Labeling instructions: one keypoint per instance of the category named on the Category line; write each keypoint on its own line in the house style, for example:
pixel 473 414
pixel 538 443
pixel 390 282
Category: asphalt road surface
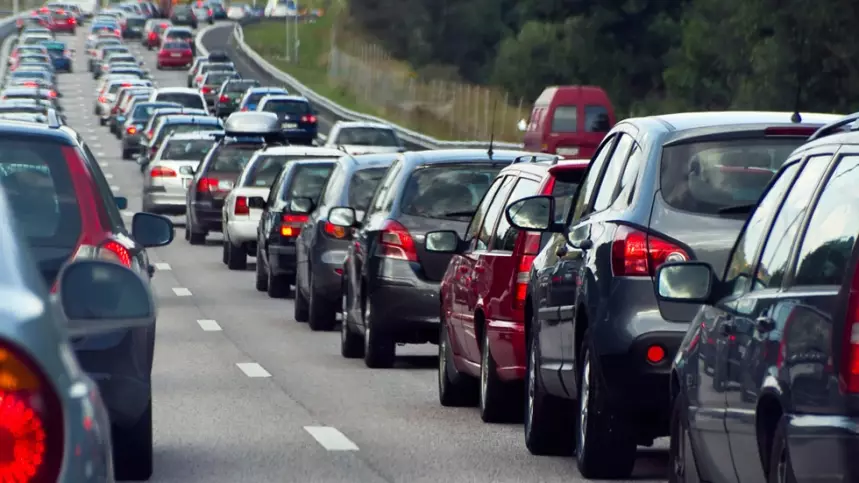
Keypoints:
pixel 243 393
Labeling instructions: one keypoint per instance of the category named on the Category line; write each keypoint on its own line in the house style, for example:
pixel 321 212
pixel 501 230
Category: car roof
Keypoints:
pixel 250 123
pixel 261 89
pixel 366 124
pixel 190 118
pixel 697 120
pixel 371 159
pixel 460 155
pixel 302 150
pixel 13 128
pixel 284 97
pixel 177 90
pixel 185 136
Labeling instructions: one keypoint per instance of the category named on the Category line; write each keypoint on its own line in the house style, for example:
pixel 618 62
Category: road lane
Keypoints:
pixel 219 421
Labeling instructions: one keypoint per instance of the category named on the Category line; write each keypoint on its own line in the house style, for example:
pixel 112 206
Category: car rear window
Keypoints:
pixel 181 128
pixel 135 22
pixel 367 136
pixel 239 86
pixel 114 88
pixel 308 181
pixel 218 78
pixel 177 45
pixel 187 149
pixel 266 168
pixel 255 98
pixel 362 186
pixel 185 99
pixel 596 119
pixel 708 177
pixel 232 158
pixel 287 107
pixel 448 192
pixel 216 66
pixel 181 34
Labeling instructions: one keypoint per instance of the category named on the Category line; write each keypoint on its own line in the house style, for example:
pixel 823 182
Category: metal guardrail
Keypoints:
pixel 339 112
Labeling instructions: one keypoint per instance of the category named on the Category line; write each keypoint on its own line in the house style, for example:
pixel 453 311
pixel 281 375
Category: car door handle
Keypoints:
pixel 765 324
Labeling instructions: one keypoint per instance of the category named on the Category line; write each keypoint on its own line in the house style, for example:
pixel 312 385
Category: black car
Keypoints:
pixel 780 404
pixel 177 123
pixel 230 95
pixel 245 133
pixel 132 129
pixel 65 208
pixel 320 248
pixel 184 15
pixel 391 281
pixel 659 189
pixel 297 118
pixel 134 27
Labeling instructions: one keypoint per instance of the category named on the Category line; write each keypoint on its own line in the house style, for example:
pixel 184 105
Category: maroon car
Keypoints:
pixel 175 54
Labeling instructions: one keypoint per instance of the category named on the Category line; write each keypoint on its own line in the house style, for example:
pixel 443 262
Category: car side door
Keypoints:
pixel 269 214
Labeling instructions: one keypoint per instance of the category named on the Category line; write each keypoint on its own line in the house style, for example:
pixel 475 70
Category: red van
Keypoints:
pixel 569 121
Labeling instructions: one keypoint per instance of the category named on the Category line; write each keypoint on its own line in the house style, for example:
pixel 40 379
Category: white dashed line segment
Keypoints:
pixel 331 438
pixel 252 369
pixel 162 266
pixel 209 325
pixel 108 176
pixel 181 292
pixel 114 188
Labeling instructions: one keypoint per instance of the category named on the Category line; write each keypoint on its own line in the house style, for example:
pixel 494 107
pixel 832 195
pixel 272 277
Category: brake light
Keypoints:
pixel 242 207
pixel 116 31
pixel 223 98
pixel 162 172
pixel 187 52
pixel 638 254
pixel 164 25
pixel 333 230
pixel 131 130
pixel 290 225
pixel 30 84
pixel 206 89
pixel 72 20
pixel 848 380
pixel 198 78
pixel 152 36
pixel 212 185
pixel 30 420
pixel 210 12
pixel 116 252
pixel 530 243
pixel 311 119
pixel 245 109
pixel 102 99
pixel 52 94
pixel 396 242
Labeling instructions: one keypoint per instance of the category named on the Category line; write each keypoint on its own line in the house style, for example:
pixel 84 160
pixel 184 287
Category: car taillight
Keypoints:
pixel 114 109
pixel 71 20
pixel 162 172
pixel 116 31
pixel 153 150
pixel 244 109
pixel 210 12
pixel 213 185
pixel 187 53
pixel 149 134
pixel 396 242
pixel 30 420
pixel 848 380
pixel 152 36
pixel 333 230
pixel 131 130
pixel 102 99
pixel 635 253
pixel 206 89
pixel 290 225
pixel 198 78
pixel 310 119
pixel 223 99
pixel 530 249
pixel 52 94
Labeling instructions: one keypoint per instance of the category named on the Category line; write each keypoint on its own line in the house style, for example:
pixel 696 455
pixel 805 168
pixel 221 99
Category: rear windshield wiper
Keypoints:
pixel 737 209
pixel 453 214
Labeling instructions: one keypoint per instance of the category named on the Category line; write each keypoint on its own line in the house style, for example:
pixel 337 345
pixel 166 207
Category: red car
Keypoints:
pixel 175 54
pixel 484 289
pixel 64 21
pixel 153 36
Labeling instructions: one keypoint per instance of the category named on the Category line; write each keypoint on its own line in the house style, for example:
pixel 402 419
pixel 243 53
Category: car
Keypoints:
pixel 202 13
pixel 361 137
pixel 184 15
pixel 178 123
pixel 34 38
pixel 171 170
pixel 252 97
pixel 98 43
pixel 206 67
pixel 237 12
pixel 124 101
pixel 112 57
pixel 297 118
pixel 182 34
pixel 107 96
pixel 149 129
pixel 153 30
pixel 392 295
pixel 245 133
pixel 134 27
pixel 61 57
pixel 63 21
pixel 41 69
pixel 133 127
pixel 29 82
pixel 34 20
pixel 245 204
pixel 103 53
pixel 211 84
pixel 26 49
pixel 174 54
pixel 64 206
pixel 771 351
pixel 231 93
pixel 218 11
pixel 50 115
pixel 659 189
pixel 41 76
pixel 198 60
pixel 31 93
pixel 218 56
pixel 482 333
pixel 130 69
pixel 190 98
pixel 320 247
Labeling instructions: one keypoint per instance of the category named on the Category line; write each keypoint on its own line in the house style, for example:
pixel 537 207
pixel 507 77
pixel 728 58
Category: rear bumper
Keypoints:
pixel 507 346
pixel 131 142
pixel 64 65
pixel 206 218
pixel 242 231
pixel 281 260
pixel 173 61
pixel 823 448
pixel 301 137
pixel 403 305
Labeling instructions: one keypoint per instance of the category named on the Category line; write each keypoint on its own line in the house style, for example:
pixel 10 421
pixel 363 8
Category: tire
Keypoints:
pixel 454 389
pixel 380 351
pixel 321 316
pixel 194 238
pixel 237 257
pixel 781 464
pixel 351 344
pixel 277 286
pixel 549 424
pixel 158 66
pixel 225 252
pixel 126 154
pixel 261 281
pixel 682 467
pixel 132 449
pixel 102 121
pixel 606 448
pixel 500 401
pixel 301 309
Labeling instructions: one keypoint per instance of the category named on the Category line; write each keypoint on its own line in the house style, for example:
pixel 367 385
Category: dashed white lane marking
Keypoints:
pixel 108 176
pixel 181 292
pixel 331 438
pixel 96 145
pixel 252 369
pixel 114 187
pixel 209 325
pixel 102 164
pixel 100 154
pixel 128 214
pixel 162 266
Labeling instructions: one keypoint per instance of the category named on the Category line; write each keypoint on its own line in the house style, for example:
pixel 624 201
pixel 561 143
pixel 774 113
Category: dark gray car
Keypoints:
pixel 321 247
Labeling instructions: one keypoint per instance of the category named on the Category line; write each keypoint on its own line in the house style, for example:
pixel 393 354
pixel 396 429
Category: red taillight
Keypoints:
pixel 290 225
pixel 102 99
pixel 210 12
pixel 164 25
pixel 849 377
pixel 131 130
pixel 209 185
pixel 638 254
pixel 149 134
pixel 206 90
pixel 117 32
pixel 311 119
pixel 162 172
pixel 396 242
pixel 114 109
pixel 242 207
pixel 187 53
pixel 530 248
pixel 198 78
pixel 333 230
pixel 116 252
pixel 223 99
pixel 245 109
pixel 152 36
pixel 52 94
pixel 71 20
pixel 30 84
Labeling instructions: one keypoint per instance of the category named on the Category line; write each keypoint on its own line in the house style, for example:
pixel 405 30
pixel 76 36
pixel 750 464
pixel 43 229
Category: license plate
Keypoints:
pixel 290 125
pixel 175 55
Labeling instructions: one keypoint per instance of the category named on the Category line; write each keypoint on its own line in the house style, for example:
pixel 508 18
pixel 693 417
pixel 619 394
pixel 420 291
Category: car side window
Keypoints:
pixel 103 187
pixel 496 208
pixel 626 188
pixel 824 253
pixel 334 186
pixel 505 235
pixel 594 170
pixel 741 264
pixel 607 187
pixel 776 253
pixel 385 186
pixel 276 188
pixel 480 213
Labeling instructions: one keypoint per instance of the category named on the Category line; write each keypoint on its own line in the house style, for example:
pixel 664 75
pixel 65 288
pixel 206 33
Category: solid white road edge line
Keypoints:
pixel 209 325
pixel 252 369
pixel 181 292
pixel 162 266
pixel 331 438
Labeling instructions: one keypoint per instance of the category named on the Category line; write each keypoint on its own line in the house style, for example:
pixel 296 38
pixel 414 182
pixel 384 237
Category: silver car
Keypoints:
pixel 53 412
pixel 167 177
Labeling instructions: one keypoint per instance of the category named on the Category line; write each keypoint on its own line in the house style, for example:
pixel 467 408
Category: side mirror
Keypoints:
pixel 301 205
pixel 151 230
pixel 690 282
pixel 187 170
pixel 100 296
pixel 343 216
pixel 534 213
pixel 444 241
pixel 121 202
pixel 257 202
pixel 522 126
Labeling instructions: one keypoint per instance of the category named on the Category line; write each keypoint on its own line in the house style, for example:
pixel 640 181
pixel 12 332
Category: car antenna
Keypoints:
pixel 796 118
pixel 491 151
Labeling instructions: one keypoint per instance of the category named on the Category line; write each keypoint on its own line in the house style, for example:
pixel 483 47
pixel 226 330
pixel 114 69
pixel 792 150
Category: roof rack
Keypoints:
pixel 834 127
pixel 538 158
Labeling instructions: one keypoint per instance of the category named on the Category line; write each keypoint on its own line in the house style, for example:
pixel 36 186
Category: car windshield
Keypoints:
pixel 287 107
pixel 219 66
pixel 266 168
pixel 707 177
pixel 362 186
pixel 449 192
pixel 187 149
pixel 232 158
pixel 368 136
pixel 307 181
pixel 187 99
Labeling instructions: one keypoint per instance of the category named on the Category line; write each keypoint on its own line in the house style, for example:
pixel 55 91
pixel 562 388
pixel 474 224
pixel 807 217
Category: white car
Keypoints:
pixel 180 95
pixel 357 137
pixel 107 94
pixel 236 12
pixel 171 171
pixel 244 204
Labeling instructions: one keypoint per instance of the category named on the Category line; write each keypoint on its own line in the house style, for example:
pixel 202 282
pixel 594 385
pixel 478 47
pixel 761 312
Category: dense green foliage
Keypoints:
pixel 651 55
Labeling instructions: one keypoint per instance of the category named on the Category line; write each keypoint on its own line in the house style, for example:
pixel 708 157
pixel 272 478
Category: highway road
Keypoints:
pixel 243 393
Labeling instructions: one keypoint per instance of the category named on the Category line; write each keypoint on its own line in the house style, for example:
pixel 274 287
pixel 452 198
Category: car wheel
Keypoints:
pixel 454 389
pixel 261 279
pixel 500 401
pixel 605 445
pixel 194 238
pixel 301 309
pixel 159 66
pixel 132 449
pixel 781 464
pixel 549 423
pixel 102 121
pixel 126 154
pixel 351 344
pixel 681 457
pixel 237 258
pixel 225 252
pixel 187 234
pixel 380 351
pixel 321 316
pixel 278 285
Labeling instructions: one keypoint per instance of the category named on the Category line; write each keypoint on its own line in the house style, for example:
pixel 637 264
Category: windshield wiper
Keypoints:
pixel 458 213
pixel 737 209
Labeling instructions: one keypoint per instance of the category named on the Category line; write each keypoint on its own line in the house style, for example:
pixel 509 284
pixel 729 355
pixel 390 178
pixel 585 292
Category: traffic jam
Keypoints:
pixel 666 287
